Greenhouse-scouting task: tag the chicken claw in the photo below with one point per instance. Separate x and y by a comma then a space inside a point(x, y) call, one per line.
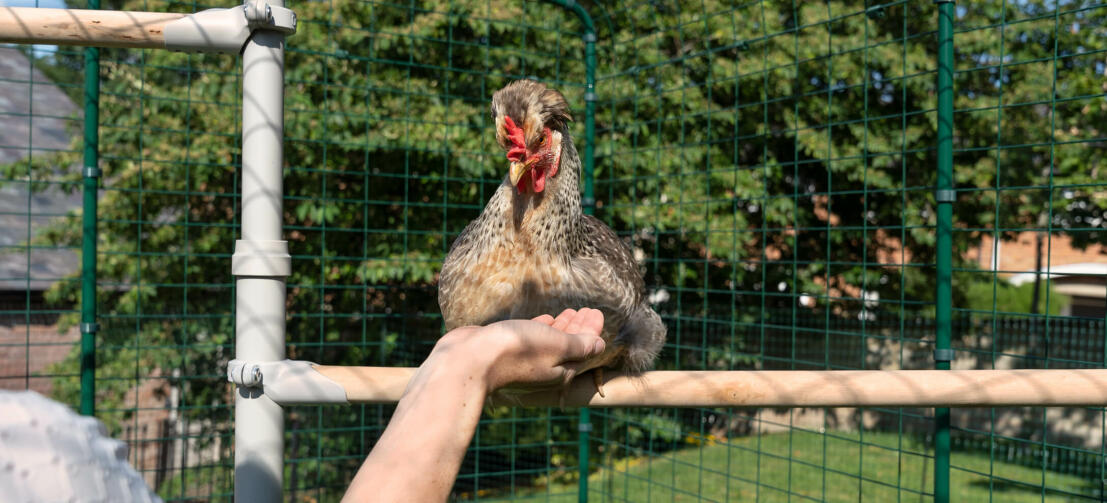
point(597, 379)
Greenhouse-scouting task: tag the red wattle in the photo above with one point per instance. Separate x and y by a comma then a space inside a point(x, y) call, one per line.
point(524, 182)
point(539, 179)
point(533, 180)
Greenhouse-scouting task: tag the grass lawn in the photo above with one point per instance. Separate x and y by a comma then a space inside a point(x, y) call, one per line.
point(831, 467)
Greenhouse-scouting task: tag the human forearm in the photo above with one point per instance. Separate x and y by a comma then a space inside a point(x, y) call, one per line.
point(418, 456)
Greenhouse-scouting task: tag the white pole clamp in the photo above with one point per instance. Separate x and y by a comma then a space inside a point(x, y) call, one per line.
point(263, 16)
point(227, 30)
point(243, 374)
point(261, 258)
point(287, 382)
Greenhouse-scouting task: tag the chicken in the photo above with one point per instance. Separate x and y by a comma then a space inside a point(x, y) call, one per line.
point(532, 251)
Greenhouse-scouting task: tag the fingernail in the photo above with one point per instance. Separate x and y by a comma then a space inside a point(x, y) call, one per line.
point(598, 347)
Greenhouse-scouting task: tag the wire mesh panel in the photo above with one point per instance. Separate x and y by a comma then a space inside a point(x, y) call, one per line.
point(775, 165)
point(391, 153)
point(168, 133)
point(36, 119)
point(771, 165)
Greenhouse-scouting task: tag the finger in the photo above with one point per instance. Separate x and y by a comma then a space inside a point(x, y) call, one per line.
point(587, 321)
point(574, 325)
point(563, 319)
point(591, 321)
point(577, 347)
point(544, 319)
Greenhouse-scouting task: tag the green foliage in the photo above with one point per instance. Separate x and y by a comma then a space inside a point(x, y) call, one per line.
point(639, 430)
point(1008, 298)
point(805, 136)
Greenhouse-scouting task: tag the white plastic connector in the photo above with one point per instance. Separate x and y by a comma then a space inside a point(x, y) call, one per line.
point(242, 374)
point(261, 258)
point(220, 30)
point(227, 30)
point(263, 16)
point(287, 382)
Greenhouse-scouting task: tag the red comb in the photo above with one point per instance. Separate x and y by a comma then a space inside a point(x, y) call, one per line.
point(515, 134)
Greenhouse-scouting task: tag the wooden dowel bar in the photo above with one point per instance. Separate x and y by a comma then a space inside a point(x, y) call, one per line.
point(839, 388)
point(25, 25)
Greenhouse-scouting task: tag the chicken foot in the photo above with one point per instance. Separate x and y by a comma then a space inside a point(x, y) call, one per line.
point(597, 380)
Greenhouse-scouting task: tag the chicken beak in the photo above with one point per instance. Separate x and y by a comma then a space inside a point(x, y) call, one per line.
point(517, 170)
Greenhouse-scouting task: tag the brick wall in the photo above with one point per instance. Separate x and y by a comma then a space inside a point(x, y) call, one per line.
point(27, 351)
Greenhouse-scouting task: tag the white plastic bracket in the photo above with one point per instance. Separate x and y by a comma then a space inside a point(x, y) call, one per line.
point(219, 30)
point(261, 259)
point(227, 30)
point(243, 374)
point(287, 382)
point(263, 16)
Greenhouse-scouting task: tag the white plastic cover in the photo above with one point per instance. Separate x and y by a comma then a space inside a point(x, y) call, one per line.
point(288, 382)
point(220, 30)
point(49, 453)
point(261, 258)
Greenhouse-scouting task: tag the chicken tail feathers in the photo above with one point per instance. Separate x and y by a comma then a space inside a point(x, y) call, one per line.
point(643, 335)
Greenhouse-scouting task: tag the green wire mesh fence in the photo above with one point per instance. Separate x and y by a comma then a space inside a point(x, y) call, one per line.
point(773, 165)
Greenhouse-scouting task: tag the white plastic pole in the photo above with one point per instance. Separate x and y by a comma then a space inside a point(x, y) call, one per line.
point(261, 264)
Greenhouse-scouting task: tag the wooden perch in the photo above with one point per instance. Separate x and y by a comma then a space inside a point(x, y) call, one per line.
point(24, 25)
point(780, 388)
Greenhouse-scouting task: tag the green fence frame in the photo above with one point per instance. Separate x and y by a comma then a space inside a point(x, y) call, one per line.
point(944, 195)
point(91, 174)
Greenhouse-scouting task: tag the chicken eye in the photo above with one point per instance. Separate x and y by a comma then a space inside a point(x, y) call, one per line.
point(542, 141)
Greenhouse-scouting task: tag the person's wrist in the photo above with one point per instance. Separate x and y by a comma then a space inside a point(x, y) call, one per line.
point(489, 347)
point(466, 353)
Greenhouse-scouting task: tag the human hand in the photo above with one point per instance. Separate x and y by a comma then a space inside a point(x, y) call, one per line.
point(418, 456)
point(538, 353)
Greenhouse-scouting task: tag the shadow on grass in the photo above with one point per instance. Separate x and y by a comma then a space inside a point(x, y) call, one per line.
point(1014, 487)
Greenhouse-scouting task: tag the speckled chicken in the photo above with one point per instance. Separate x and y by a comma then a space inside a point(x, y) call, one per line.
point(532, 251)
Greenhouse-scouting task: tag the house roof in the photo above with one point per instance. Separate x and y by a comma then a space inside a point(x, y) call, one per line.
point(36, 117)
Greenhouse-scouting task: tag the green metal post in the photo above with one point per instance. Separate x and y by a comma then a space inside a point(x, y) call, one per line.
point(91, 172)
point(584, 427)
point(944, 243)
point(588, 201)
point(589, 206)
